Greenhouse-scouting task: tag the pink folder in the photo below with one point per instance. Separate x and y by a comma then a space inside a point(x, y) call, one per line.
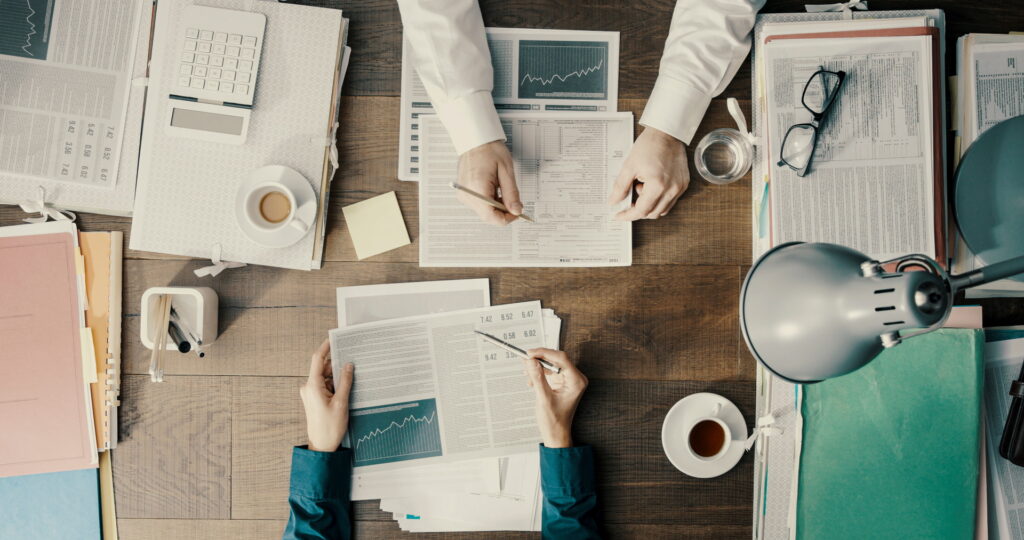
point(44, 422)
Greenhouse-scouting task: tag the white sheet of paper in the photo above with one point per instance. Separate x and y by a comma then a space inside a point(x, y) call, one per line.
point(565, 165)
point(534, 70)
point(883, 166)
point(430, 390)
point(371, 303)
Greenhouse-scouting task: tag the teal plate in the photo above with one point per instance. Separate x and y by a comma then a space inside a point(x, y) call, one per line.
point(989, 196)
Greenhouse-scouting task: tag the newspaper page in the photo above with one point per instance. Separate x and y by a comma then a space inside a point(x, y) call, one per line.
point(534, 70)
point(65, 72)
point(429, 389)
point(998, 83)
point(564, 165)
point(873, 167)
point(1006, 498)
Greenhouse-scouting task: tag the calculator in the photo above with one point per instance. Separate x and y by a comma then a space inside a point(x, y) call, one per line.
point(215, 68)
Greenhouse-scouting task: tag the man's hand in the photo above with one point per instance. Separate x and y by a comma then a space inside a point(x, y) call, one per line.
point(326, 409)
point(557, 395)
point(657, 162)
point(486, 169)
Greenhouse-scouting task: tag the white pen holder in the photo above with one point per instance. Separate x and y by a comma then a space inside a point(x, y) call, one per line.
point(197, 307)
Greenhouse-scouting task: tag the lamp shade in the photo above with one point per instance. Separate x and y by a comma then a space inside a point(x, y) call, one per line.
point(812, 311)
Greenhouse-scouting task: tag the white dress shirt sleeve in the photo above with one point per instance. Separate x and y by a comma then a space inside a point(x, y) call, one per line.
point(449, 50)
point(706, 44)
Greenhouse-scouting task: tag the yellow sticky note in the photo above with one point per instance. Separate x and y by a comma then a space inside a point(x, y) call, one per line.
point(376, 225)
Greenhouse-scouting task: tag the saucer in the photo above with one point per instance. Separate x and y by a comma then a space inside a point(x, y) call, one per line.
point(287, 235)
point(684, 414)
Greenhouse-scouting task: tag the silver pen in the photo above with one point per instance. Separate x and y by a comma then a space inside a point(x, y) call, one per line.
point(518, 352)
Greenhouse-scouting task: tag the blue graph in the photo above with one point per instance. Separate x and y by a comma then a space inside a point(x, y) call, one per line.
point(25, 28)
point(563, 69)
point(396, 432)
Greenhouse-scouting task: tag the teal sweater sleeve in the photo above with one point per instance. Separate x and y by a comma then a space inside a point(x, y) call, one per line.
point(570, 493)
point(319, 495)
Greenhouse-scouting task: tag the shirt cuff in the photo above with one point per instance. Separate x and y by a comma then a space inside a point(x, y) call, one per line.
point(321, 475)
point(675, 108)
point(567, 470)
point(471, 121)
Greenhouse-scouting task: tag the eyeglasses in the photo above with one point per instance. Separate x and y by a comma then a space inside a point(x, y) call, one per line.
point(819, 94)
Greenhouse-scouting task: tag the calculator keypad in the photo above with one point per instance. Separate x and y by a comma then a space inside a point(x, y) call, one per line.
point(218, 62)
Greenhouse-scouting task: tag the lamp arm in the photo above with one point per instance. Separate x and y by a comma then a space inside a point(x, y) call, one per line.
point(987, 274)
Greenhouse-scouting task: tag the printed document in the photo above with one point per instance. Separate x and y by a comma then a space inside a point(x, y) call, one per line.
point(429, 389)
point(872, 180)
point(534, 70)
point(998, 83)
point(65, 69)
point(1006, 501)
point(564, 164)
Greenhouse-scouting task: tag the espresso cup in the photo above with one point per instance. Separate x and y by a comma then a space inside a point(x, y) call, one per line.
point(271, 206)
point(708, 438)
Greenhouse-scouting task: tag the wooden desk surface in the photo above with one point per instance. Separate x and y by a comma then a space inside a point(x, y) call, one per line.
point(206, 455)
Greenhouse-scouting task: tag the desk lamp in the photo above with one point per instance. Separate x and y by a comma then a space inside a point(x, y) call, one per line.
point(813, 311)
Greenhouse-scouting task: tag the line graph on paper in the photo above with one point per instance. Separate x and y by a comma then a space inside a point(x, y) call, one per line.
point(563, 69)
point(396, 432)
point(25, 27)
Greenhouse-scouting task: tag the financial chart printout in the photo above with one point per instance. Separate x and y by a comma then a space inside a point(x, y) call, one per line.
point(64, 80)
point(565, 164)
point(429, 389)
point(534, 70)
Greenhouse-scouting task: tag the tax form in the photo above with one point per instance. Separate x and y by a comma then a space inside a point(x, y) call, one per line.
point(430, 390)
point(534, 70)
point(565, 165)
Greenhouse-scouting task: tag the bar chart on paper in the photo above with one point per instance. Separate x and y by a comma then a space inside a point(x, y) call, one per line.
point(563, 69)
point(25, 28)
point(396, 432)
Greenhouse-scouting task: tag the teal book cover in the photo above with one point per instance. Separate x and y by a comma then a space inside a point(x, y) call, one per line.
point(892, 450)
point(51, 506)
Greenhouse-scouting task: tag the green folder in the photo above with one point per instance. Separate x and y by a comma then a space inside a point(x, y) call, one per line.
point(891, 450)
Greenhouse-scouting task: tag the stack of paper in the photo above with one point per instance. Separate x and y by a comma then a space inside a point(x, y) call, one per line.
point(458, 454)
point(876, 182)
point(556, 92)
point(187, 190)
point(989, 89)
point(59, 375)
point(846, 177)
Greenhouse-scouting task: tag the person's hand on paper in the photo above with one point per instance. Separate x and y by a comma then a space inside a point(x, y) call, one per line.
point(326, 402)
point(657, 163)
point(558, 394)
point(487, 169)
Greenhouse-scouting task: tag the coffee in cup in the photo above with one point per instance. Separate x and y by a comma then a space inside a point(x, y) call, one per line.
point(708, 438)
point(271, 206)
point(275, 207)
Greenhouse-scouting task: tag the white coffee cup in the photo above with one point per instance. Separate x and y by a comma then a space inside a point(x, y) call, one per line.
point(726, 436)
point(254, 214)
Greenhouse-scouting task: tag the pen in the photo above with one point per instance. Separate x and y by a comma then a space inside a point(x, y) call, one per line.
point(488, 200)
point(518, 352)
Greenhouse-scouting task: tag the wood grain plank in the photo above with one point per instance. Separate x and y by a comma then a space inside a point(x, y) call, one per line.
point(173, 458)
point(661, 322)
point(621, 419)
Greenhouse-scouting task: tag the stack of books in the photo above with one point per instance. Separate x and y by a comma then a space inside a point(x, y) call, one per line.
point(60, 322)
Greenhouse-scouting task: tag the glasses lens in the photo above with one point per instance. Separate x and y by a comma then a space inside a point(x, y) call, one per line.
point(798, 145)
point(820, 91)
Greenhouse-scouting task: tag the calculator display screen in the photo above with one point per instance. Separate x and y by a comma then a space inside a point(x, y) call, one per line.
point(207, 121)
